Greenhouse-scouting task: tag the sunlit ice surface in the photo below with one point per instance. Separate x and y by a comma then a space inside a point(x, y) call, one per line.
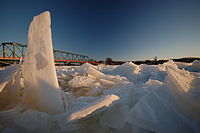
point(125, 98)
point(98, 99)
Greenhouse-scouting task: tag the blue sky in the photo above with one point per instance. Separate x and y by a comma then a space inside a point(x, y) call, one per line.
point(120, 29)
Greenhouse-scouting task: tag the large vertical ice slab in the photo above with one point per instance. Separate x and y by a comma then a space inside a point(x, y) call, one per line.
point(41, 84)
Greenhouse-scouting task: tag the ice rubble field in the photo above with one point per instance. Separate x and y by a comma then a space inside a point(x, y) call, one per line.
point(36, 97)
point(111, 99)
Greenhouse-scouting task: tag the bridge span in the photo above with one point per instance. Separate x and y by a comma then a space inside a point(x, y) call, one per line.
point(12, 52)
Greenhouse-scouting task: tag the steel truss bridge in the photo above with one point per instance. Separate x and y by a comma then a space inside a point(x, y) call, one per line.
point(12, 52)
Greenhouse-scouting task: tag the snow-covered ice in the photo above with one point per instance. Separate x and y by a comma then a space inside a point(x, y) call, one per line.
point(128, 98)
point(157, 98)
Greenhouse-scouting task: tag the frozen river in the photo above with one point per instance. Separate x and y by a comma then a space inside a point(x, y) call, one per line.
point(39, 97)
point(126, 98)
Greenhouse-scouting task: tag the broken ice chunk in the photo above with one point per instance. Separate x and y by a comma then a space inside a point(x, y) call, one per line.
point(6, 75)
point(89, 109)
point(41, 89)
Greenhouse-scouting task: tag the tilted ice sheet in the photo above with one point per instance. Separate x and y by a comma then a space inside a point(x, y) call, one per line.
point(196, 64)
point(6, 75)
point(81, 81)
point(192, 67)
point(40, 80)
point(167, 108)
point(104, 101)
point(11, 87)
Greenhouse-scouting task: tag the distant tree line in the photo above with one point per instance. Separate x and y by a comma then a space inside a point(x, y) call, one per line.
point(109, 61)
point(187, 59)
